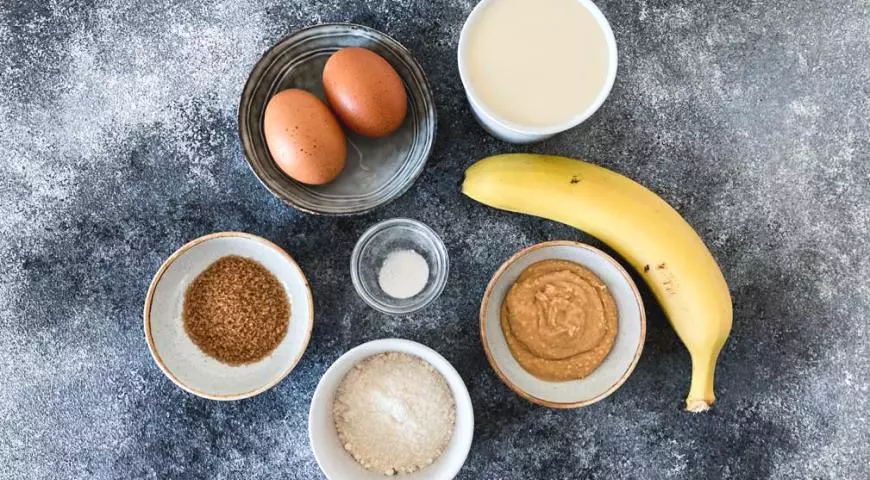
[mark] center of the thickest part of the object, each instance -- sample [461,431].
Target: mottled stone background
[118,144]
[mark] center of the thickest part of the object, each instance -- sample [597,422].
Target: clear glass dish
[389,236]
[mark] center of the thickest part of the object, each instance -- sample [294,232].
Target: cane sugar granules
[394,413]
[236,311]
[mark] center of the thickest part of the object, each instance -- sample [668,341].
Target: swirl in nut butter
[559,320]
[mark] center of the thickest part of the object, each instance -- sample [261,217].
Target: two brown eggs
[304,136]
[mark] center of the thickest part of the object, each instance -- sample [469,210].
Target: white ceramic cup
[516,133]
[334,460]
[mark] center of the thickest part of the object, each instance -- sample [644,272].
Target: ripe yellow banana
[635,222]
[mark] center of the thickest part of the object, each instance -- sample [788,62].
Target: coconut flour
[394,413]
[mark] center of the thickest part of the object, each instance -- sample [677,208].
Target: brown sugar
[236,311]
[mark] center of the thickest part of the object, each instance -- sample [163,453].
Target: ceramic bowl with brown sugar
[182,361]
[616,366]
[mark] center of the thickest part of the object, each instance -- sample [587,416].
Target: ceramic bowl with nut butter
[198,312]
[562,324]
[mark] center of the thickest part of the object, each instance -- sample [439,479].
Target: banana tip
[697,406]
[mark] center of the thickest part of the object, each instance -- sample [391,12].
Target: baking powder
[403,274]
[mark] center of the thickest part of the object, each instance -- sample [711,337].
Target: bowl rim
[412,347]
[149,298]
[246,139]
[379,227]
[580,117]
[504,378]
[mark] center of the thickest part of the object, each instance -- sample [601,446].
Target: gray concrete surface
[118,144]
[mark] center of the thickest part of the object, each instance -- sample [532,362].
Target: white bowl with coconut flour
[534,68]
[334,459]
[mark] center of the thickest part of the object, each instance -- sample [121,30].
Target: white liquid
[536,63]
[403,274]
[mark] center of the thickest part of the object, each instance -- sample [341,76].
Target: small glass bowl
[389,236]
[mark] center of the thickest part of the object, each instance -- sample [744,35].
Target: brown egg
[365,92]
[304,137]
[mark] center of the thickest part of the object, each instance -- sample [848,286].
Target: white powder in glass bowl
[403,274]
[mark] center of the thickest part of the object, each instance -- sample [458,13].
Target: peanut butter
[559,320]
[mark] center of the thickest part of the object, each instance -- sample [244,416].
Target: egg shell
[304,137]
[365,92]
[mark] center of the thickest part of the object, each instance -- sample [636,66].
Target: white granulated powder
[394,413]
[403,274]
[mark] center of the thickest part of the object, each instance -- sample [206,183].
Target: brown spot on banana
[665,278]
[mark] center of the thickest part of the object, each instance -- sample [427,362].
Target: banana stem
[701,395]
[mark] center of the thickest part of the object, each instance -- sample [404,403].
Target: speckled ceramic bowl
[176,354]
[378,170]
[618,364]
